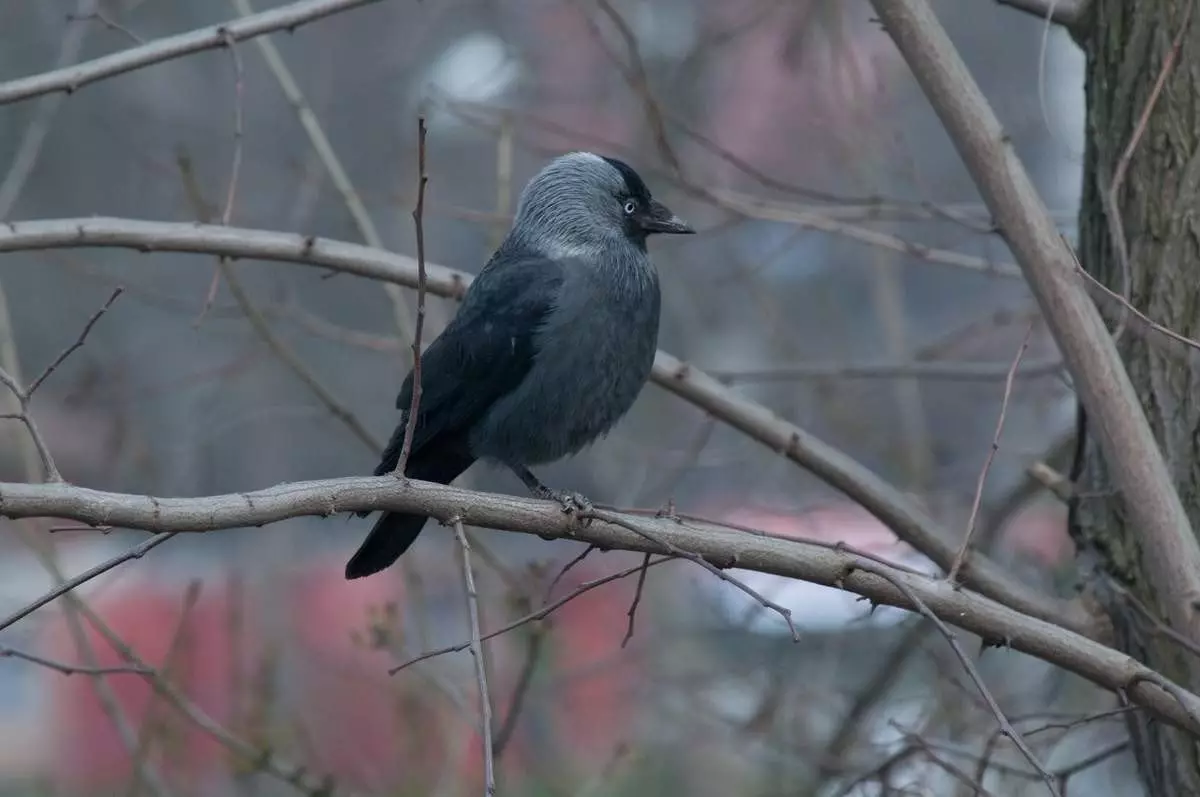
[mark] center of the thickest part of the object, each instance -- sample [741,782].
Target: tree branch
[722,546]
[893,508]
[70,78]
[1171,550]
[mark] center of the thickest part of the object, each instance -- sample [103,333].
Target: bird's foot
[569,500]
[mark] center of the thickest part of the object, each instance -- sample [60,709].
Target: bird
[551,345]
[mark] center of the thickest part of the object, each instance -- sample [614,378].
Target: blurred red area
[300,670]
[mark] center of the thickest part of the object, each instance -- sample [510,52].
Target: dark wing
[482,355]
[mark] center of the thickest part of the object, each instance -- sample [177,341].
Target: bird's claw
[570,501]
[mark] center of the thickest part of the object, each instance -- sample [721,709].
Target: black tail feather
[394,532]
[390,537]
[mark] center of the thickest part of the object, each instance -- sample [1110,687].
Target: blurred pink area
[146,616]
[1037,535]
[346,716]
[1037,532]
[785,87]
[787,83]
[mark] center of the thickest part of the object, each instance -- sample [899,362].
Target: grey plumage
[550,347]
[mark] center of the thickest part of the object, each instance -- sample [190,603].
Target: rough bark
[1158,203]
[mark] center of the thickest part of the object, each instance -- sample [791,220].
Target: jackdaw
[551,345]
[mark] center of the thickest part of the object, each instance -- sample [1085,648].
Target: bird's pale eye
[630,207]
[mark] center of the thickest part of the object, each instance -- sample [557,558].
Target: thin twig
[70,669]
[476,648]
[1065,772]
[137,552]
[31,450]
[1127,305]
[1009,731]
[961,556]
[637,598]
[544,611]
[234,169]
[672,550]
[565,569]
[67,352]
[418,215]
[49,469]
[22,396]
[108,22]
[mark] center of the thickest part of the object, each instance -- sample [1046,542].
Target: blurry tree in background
[866,375]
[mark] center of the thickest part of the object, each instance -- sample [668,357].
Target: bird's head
[582,202]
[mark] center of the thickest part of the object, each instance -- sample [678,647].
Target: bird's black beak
[660,219]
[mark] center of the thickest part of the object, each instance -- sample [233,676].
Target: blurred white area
[478,67]
[1061,95]
[665,29]
[814,607]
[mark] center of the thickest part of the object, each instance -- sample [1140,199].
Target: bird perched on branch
[551,345]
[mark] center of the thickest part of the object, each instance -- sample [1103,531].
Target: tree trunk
[1158,203]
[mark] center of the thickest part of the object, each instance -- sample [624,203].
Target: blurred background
[846,276]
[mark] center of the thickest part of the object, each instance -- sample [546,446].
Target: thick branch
[887,503]
[719,545]
[70,78]
[1137,467]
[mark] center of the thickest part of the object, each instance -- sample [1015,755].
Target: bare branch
[961,556]
[69,584]
[721,546]
[941,370]
[233,242]
[1172,552]
[70,669]
[476,648]
[909,521]
[976,678]
[637,599]
[759,209]
[548,607]
[418,214]
[70,78]
[671,550]
[67,352]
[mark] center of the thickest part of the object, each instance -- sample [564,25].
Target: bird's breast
[593,356]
